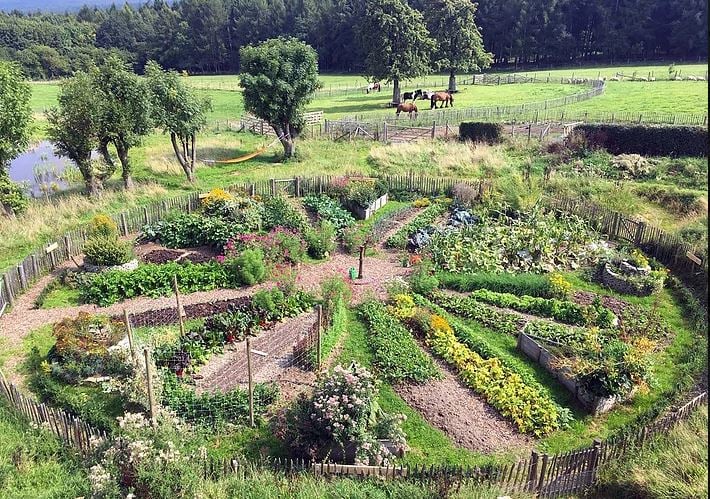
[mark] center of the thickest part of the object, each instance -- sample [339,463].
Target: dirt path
[464,416]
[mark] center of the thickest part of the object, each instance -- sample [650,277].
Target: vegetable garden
[247,327]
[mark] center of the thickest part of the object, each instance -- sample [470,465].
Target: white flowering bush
[342,421]
[146,460]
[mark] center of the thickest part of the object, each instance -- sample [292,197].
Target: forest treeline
[204,36]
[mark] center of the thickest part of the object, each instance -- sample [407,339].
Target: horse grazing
[408,96]
[443,97]
[374,87]
[407,107]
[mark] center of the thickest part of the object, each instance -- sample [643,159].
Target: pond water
[41,171]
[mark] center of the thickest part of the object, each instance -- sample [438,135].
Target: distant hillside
[56,5]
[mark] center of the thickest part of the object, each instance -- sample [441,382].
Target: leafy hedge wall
[476,131]
[647,140]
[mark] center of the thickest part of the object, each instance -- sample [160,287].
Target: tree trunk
[452,80]
[396,92]
[188,165]
[122,150]
[93,185]
[286,138]
[103,150]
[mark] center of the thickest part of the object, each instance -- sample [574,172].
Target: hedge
[477,131]
[647,140]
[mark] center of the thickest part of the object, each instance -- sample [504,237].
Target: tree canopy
[395,41]
[459,44]
[75,126]
[124,110]
[206,35]
[15,114]
[279,78]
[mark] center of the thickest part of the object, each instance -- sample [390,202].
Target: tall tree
[178,111]
[395,41]
[459,45]
[280,77]
[15,114]
[125,111]
[74,127]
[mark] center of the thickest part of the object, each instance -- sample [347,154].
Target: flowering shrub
[342,421]
[103,246]
[558,285]
[147,461]
[403,307]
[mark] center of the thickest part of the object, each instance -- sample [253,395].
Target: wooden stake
[129,330]
[180,311]
[251,386]
[319,310]
[149,382]
[362,257]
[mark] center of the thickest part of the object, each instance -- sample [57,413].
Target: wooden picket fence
[44,260]
[72,430]
[686,261]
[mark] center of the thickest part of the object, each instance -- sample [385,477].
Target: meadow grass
[33,463]
[672,465]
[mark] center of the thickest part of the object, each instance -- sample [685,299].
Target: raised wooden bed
[364,213]
[538,353]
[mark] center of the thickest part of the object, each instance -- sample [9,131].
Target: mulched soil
[162,256]
[464,416]
[614,304]
[229,370]
[165,316]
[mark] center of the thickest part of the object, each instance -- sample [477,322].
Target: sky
[53,5]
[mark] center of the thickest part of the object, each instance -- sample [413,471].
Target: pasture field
[626,96]
[339,82]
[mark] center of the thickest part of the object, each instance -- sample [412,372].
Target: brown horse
[443,97]
[407,107]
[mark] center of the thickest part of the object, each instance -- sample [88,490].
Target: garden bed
[465,417]
[229,370]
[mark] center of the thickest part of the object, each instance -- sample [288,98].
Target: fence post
[178,301]
[35,266]
[251,385]
[640,229]
[529,131]
[129,332]
[594,460]
[319,313]
[67,244]
[124,225]
[433,129]
[543,470]
[145,215]
[298,186]
[532,472]
[252,190]
[273,187]
[149,384]
[23,277]
[384,131]
[8,290]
